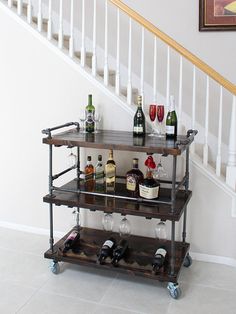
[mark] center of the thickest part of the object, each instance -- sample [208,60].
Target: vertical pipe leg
[186,189]
[51,239]
[78,186]
[172,261]
[173,197]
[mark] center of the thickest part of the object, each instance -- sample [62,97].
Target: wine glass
[125,227]
[97,120]
[108,222]
[160,117]
[152,115]
[75,218]
[160,171]
[160,231]
[72,159]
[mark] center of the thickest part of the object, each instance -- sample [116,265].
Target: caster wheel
[174,290]
[55,267]
[188,261]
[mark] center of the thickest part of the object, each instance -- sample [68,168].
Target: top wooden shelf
[121,140]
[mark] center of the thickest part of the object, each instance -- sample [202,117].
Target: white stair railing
[172,85]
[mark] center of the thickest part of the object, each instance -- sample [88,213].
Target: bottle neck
[172,104]
[90,100]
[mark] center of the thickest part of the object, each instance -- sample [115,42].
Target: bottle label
[72,236]
[131,183]
[138,129]
[170,129]
[89,177]
[110,173]
[108,243]
[99,175]
[161,252]
[148,192]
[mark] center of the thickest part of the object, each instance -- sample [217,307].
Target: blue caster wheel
[174,290]
[54,267]
[188,261]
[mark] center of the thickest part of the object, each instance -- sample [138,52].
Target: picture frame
[217,15]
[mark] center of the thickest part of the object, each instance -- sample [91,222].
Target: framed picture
[217,15]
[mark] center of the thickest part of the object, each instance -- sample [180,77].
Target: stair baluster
[71,44]
[94,57]
[83,51]
[19,7]
[168,76]
[155,71]
[49,20]
[218,158]
[106,68]
[193,107]
[142,66]
[29,11]
[118,54]
[205,147]
[180,123]
[40,19]
[9,3]
[129,84]
[60,31]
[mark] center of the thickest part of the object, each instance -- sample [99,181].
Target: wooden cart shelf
[122,206]
[137,261]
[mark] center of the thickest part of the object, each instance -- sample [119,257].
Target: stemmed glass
[152,115]
[125,227]
[160,172]
[97,119]
[160,231]
[160,117]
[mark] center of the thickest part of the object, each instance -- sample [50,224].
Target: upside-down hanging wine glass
[160,231]
[125,227]
[72,159]
[108,222]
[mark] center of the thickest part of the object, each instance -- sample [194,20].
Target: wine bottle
[89,113]
[119,251]
[171,120]
[99,171]
[149,188]
[139,127]
[110,172]
[106,250]
[134,177]
[159,259]
[70,241]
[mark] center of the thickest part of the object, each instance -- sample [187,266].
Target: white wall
[39,90]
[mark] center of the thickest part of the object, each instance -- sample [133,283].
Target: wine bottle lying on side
[106,250]
[70,241]
[119,252]
[159,259]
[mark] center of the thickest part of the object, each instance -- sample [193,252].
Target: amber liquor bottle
[134,177]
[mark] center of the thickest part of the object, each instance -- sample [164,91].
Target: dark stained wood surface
[120,140]
[122,206]
[137,261]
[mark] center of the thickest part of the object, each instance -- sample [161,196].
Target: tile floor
[27,286]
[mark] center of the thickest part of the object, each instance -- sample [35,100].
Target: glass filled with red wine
[160,116]
[152,116]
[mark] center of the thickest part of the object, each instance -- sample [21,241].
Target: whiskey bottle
[139,127]
[89,169]
[134,177]
[110,173]
[89,113]
[99,172]
[106,250]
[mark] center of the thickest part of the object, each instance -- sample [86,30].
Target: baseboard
[58,234]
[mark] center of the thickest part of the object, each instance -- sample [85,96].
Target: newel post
[231,166]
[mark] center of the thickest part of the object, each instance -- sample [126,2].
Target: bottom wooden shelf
[137,261]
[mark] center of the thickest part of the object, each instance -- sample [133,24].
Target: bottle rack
[171,204]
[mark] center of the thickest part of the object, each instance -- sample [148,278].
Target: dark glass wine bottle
[106,250]
[171,120]
[159,259]
[90,112]
[139,127]
[119,251]
[70,241]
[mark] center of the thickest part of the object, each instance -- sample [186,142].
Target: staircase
[143,65]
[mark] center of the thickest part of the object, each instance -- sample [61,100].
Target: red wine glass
[160,117]
[152,115]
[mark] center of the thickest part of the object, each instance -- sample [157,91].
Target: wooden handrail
[180,49]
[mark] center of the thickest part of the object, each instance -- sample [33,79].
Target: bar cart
[171,204]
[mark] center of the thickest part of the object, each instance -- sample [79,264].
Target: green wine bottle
[171,120]
[139,128]
[90,112]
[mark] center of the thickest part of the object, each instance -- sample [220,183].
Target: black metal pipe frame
[186,189]
[50,130]
[173,200]
[78,178]
[51,239]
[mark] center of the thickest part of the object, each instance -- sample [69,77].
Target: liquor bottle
[110,172]
[139,127]
[106,250]
[70,241]
[149,188]
[99,172]
[171,120]
[119,251]
[89,169]
[159,259]
[89,113]
[134,177]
